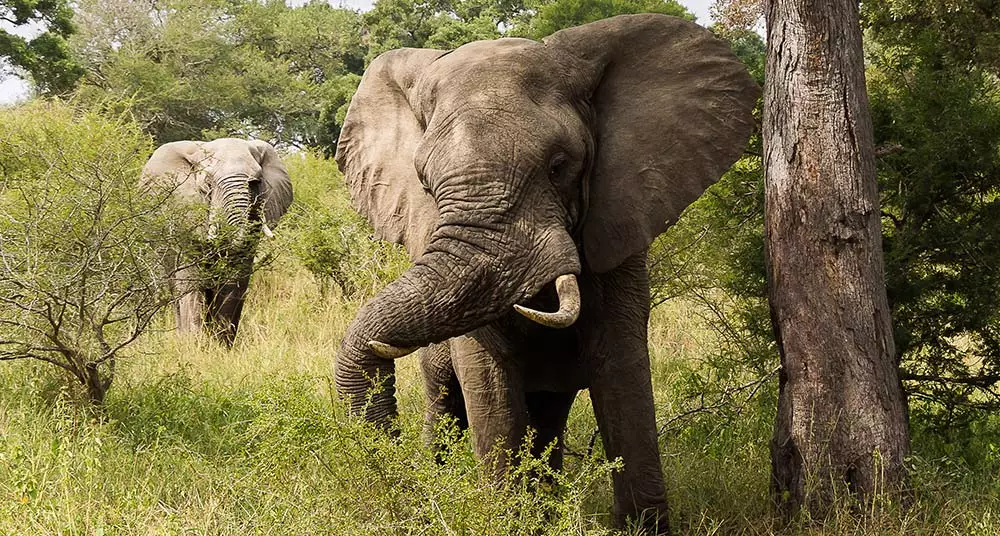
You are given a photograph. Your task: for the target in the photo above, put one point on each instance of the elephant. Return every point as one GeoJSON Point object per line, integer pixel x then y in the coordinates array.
{"type": "Point", "coordinates": [244, 189]}
{"type": "Point", "coordinates": [527, 180]}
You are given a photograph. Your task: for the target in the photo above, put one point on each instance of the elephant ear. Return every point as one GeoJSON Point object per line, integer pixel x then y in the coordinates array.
{"type": "Point", "coordinates": [673, 111]}
{"type": "Point", "coordinates": [376, 149]}
{"type": "Point", "coordinates": [176, 165]}
{"type": "Point", "coordinates": [275, 186]}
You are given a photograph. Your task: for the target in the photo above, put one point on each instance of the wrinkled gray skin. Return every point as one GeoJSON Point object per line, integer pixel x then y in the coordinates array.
{"type": "Point", "coordinates": [241, 184]}
{"type": "Point", "coordinates": [504, 164]}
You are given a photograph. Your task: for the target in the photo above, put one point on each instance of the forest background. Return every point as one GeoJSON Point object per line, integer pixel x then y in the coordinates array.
{"type": "Point", "coordinates": [195, 438]}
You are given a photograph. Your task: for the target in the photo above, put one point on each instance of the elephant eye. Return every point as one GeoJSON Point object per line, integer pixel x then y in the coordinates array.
{"type": "Point", "coordinates": [557, 165]}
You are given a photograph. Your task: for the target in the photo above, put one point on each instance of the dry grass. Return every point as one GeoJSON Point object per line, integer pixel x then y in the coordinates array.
{"type": "Point", "coordinates": [198, 440]}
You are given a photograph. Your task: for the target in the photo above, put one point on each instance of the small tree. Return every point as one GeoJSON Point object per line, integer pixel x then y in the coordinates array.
{"type": "Point", "coordinates": [330, 239]}
{"type": "Point", "coordinates": [81, 246]}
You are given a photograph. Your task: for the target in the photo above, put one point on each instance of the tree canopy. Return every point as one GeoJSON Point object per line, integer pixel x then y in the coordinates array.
{"type": "Point", "coordinates": [936, 106]}
{"type": "Point", "coordinates": [192, 69]}
{"type": "Point", "coordinates": [46, 58]}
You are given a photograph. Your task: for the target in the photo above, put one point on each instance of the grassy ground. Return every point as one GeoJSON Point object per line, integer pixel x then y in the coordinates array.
{"type": "Point", "coordinates": [198, 440]}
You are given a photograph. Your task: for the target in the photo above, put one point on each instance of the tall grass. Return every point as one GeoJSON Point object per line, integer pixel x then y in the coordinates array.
{"type": "Point", "coordinates": [199, 440]}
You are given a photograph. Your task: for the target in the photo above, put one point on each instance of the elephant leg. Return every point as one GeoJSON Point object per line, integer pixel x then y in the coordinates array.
{"type": "Point", "coordinates": [189, 304]}
{"type": "Point", "coordinates": [494, 402]}
{"type": "Point", "coordinates": [549, 412]}
{"type": "Point", "coordinates": [621, 391]}
{"type": "Point", "coordinates": [224, 309]}
{"type": "Point", "coordinates": [443, 394]}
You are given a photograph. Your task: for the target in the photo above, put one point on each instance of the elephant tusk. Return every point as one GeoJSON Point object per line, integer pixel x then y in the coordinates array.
{"type": "Point", "coordinates": [266, 230]}
{"type": "Point", "coordinates": [388, 351]}
{"type": "Point", "coordinates": [569, 305]}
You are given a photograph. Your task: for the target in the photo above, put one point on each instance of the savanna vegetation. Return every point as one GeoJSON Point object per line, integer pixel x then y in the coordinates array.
{"type": "Point", "coordinates": [193, 439]}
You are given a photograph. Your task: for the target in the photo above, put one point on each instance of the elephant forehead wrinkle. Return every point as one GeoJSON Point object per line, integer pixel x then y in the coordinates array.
{"type": "Point", "coordinates": [494, 75]}
{"type": "Point", "coordinates": [495, 59]}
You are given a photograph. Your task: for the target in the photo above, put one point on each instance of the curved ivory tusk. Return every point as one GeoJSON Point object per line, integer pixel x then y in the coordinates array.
{"type": "Point", "coordinates": [266, 230]}
{"type": "Point", "coordinates": [569, 305]}
{"type": "Point", "coordinates": [388, 351]}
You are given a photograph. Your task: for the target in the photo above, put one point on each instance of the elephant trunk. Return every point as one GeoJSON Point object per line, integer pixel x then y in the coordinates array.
{"type": "Point", "coordinates": [234, 205]}
{"type": "Point", "coordinates": [454, 288]}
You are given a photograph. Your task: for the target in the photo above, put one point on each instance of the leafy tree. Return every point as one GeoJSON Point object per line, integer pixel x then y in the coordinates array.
{"type": "Point", "coordinates": [206, 68]}
{"type": "Point", "coordinates": [440, 24]}
{"type": "Point", "coordinates": [46, 57]}
{"type": "Point", "coordinates": [936, 108]}
{"type": "Point", "coordinates": [841, 422]}
{"type": "Point", "coordinates": [447, 24]}
{"type": "Point", "coordinates": [81, 245]}
{"type": "Point", "coordinates": [554, 15]}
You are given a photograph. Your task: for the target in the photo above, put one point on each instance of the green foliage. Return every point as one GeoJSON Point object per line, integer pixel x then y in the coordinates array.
{"type": "Point", "coordinates": [81, 246]}
{"type": "Point", "coordinates": [331, 240]}
{"type": "Point", "coordinates": [936, 109]}
{"type": "Point", "coordinates": [441, 24]}
{"type": "Point", "coordinates": [199, 69]}
{"type": "Point", "coordinates": [446, 24]}
{"type": "Point", "coordinates": [46, 57]}
{"type": "Point", "coordinates": [205, 68]}
{"type": "Point", "coordinates": [554, 15]}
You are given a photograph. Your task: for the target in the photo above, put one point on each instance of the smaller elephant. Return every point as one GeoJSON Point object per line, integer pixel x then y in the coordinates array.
{"type": "Point", "coordinates": [244, 188]}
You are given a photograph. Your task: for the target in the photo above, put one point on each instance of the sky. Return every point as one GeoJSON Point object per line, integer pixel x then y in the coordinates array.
{"type": "Point", "coordinates": [13, 88]}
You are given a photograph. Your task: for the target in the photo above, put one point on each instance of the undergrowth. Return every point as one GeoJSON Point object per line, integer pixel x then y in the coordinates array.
{"type": "Point", "coordinates": [198, 440]}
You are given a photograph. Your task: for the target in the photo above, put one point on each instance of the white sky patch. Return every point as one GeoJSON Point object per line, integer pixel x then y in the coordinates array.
{"type": "Point", "coordinates": [12, 87]}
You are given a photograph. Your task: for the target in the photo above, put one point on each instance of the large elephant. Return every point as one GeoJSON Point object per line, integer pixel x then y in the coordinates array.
{"type": "Point", "coordinates": [244, 188]}
{"type": "Point", "coordinates": [525, 176]}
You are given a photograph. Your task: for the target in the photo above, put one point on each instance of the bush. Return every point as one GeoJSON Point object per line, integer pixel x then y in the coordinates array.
{"type": "Point", "coordinates": [81, 245]}
{"type": "Point", "coordinates": [331, 240]}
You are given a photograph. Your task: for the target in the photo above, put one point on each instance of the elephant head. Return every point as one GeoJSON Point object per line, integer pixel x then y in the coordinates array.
{"type": "Point", "coordinates": [240, 182]}
{"type": "Point", "coordinates": [506, 165]}
{"type": "Point", "coordinates": [245, 189]}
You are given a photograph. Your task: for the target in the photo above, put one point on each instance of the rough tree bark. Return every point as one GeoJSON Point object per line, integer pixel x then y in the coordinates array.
{"type": "Point", "coordinates": [841, 415]}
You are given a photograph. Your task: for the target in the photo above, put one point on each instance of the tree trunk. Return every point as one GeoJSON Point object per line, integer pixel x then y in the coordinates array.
{"type": "Point", "coordinates": [97, 384]}
{"type": "Point", "coordinates": [841, 415]}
